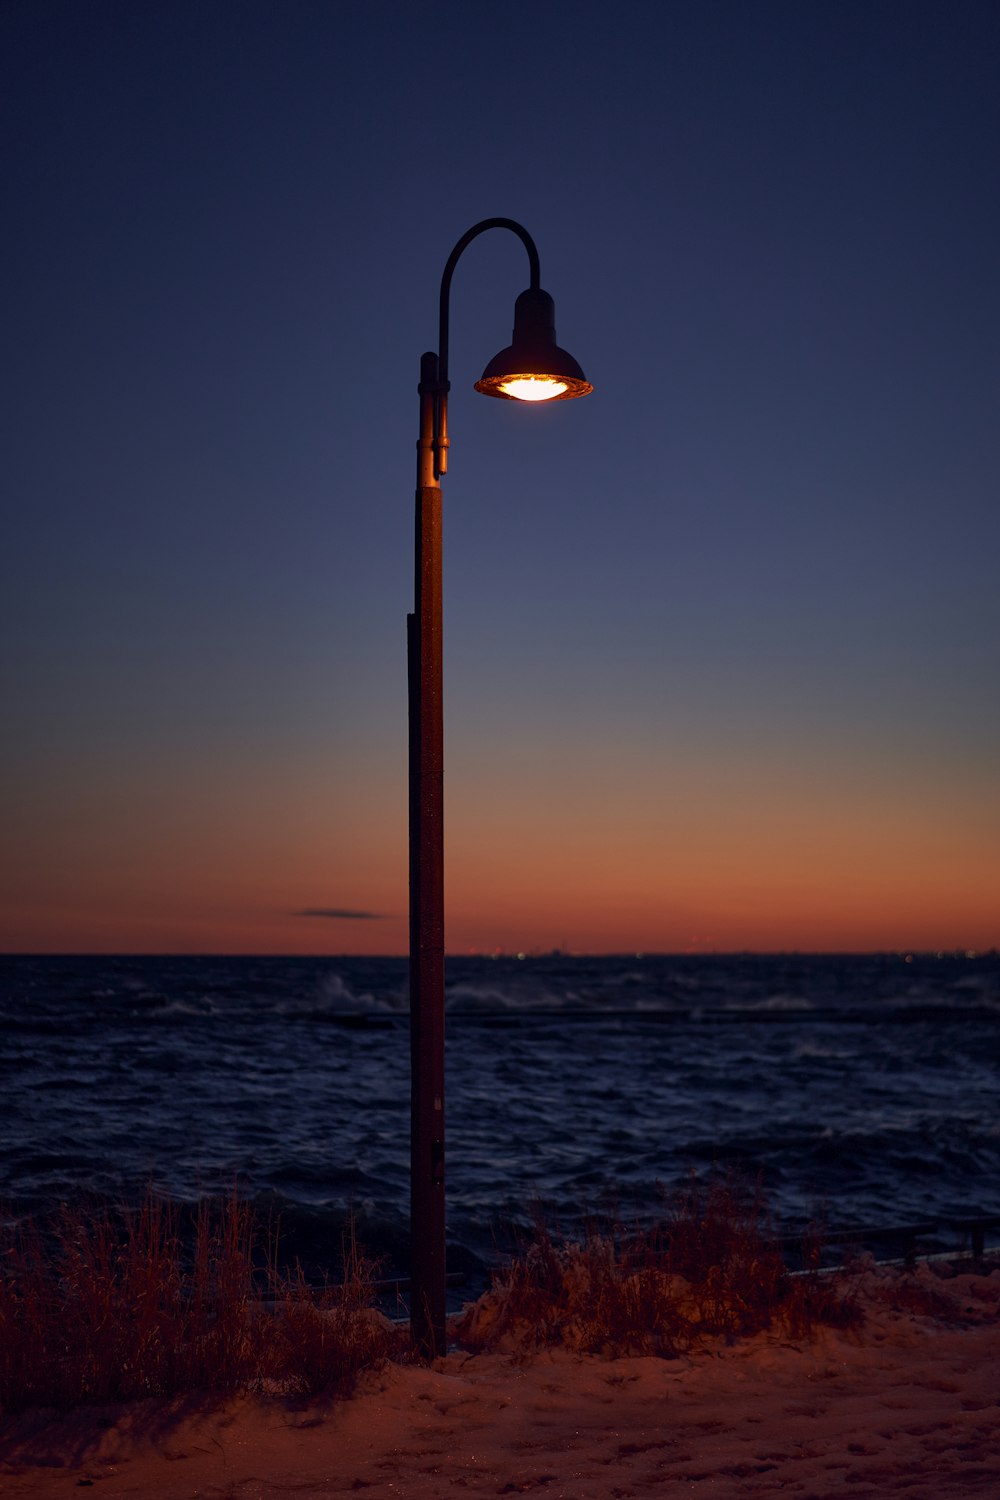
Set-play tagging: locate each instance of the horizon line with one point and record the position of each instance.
(959, 951)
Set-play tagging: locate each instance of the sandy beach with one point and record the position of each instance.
(908, 1404)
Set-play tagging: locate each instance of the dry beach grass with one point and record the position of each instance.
(102, 1304)
(712, 1375)
(709, 1268)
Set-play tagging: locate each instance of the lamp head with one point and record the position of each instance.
(533, 367)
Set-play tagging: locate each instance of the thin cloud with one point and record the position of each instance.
(341, 914)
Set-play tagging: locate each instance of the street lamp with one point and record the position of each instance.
(531, 368)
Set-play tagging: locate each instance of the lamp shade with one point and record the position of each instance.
(533, 367)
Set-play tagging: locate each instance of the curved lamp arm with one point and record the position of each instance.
(441, 384)
(452, 262)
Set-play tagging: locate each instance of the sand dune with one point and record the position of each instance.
(907, 1405)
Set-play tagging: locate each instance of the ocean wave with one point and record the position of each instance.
(778, 1002)
(475, 997)
(567, 1080)
(333, 995)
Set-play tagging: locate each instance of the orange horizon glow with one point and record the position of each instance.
(695, 853)
(594, 929)
(627, 908)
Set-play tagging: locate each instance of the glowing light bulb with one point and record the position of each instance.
(533, 387)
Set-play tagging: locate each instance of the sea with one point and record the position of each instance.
(859, 1091)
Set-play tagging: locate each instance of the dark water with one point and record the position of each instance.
(868, 1086)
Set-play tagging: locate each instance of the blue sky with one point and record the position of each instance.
(721, 640)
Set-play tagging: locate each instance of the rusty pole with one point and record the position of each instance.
(427, 1198)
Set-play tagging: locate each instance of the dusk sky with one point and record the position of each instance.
(721, 640)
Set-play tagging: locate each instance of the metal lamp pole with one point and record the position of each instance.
(423, 633)
(532, 368)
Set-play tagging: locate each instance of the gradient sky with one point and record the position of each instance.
(722, 640)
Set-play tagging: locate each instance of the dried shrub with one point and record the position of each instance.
(321, 1341)
(113, 1305)
(635, 1305)
(711, 1268)
(586, 1296)
(29, 1314)
(717, 1237)
(830, 1299)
